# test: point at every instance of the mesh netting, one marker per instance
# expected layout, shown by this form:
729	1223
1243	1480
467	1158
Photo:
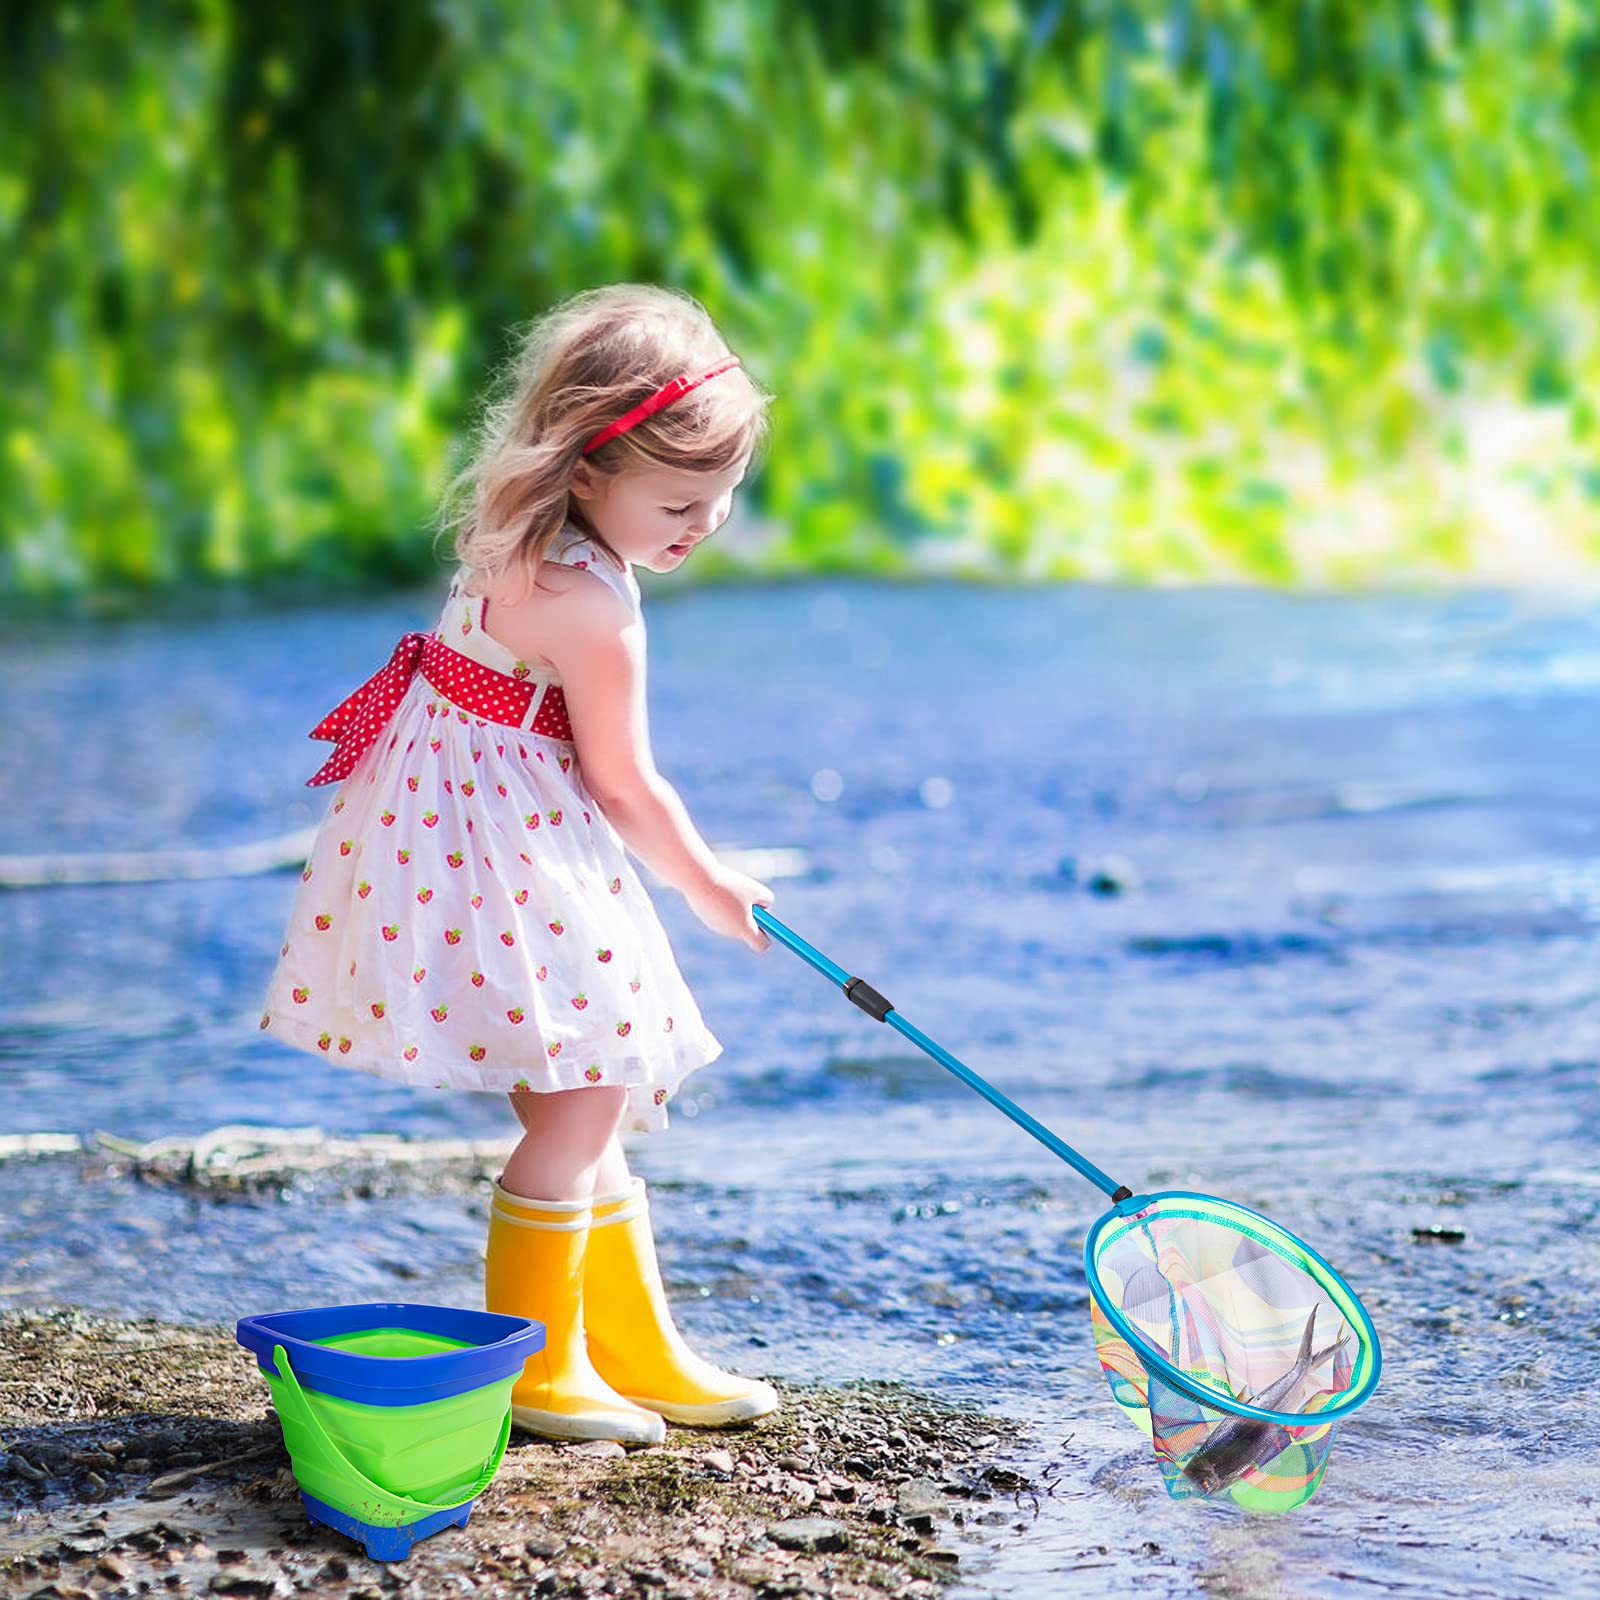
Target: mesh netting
1200	1307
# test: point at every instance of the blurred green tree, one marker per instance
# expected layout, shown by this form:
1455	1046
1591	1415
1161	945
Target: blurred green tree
1180	288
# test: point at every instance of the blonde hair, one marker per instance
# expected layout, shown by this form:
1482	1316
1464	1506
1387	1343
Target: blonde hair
576	368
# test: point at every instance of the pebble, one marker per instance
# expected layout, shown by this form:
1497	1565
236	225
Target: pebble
252	1585
920	1496
89	1543
156	1537
601	1449
808	1533
718	1461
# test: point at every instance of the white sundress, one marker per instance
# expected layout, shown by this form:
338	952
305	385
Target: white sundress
469	919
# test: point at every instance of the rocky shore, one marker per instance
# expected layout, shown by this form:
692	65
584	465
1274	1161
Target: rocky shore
143	1458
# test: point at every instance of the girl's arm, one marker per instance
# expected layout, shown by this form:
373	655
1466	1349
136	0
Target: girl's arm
597	646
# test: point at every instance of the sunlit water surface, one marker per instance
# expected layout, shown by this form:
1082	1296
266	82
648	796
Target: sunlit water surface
1352	981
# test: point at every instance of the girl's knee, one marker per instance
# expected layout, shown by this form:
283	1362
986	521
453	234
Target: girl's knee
595	1111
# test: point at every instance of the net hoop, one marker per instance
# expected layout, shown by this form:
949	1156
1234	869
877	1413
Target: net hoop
1276	1238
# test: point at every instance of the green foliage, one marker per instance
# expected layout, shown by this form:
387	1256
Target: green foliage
1054	287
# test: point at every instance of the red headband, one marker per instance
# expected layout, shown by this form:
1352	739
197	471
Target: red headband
664	396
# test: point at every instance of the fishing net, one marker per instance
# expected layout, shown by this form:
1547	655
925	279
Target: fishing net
1234	1346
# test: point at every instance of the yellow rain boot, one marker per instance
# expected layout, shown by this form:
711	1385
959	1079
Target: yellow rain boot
634	1343
535	1268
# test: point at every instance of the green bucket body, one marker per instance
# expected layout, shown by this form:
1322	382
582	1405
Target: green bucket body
432	1454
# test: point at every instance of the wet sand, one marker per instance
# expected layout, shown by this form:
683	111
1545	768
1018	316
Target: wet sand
141	1457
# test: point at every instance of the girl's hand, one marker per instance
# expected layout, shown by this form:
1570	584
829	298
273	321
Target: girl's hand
723	903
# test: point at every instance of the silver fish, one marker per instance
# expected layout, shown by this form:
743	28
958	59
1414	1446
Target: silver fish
1239	1443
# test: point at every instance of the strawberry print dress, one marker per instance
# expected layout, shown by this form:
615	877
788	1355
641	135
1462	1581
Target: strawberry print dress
468	917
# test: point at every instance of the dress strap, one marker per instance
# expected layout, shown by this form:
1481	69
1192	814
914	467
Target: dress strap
575	548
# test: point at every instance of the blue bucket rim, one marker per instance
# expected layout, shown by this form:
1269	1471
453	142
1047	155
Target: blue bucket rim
497	1346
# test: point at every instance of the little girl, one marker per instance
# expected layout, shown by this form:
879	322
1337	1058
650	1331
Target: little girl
468	917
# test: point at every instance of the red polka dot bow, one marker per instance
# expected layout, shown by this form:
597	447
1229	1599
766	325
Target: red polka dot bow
357	721
495	696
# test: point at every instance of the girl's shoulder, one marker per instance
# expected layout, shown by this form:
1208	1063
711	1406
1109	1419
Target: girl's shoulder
572	552
522	615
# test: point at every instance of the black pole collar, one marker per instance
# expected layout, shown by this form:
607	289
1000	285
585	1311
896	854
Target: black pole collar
861	993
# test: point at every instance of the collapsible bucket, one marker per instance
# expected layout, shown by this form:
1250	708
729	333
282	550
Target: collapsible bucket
395	1416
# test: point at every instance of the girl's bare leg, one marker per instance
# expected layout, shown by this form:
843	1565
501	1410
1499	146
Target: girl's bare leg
566	1135
611	1174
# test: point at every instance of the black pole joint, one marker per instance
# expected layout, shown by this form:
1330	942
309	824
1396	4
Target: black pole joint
1123	1193
861	993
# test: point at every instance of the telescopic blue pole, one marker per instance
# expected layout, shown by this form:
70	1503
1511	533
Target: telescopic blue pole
862	994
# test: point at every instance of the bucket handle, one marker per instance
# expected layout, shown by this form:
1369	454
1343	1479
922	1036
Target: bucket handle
307	1416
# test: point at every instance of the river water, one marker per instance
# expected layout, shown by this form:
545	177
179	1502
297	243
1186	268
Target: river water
1349	978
